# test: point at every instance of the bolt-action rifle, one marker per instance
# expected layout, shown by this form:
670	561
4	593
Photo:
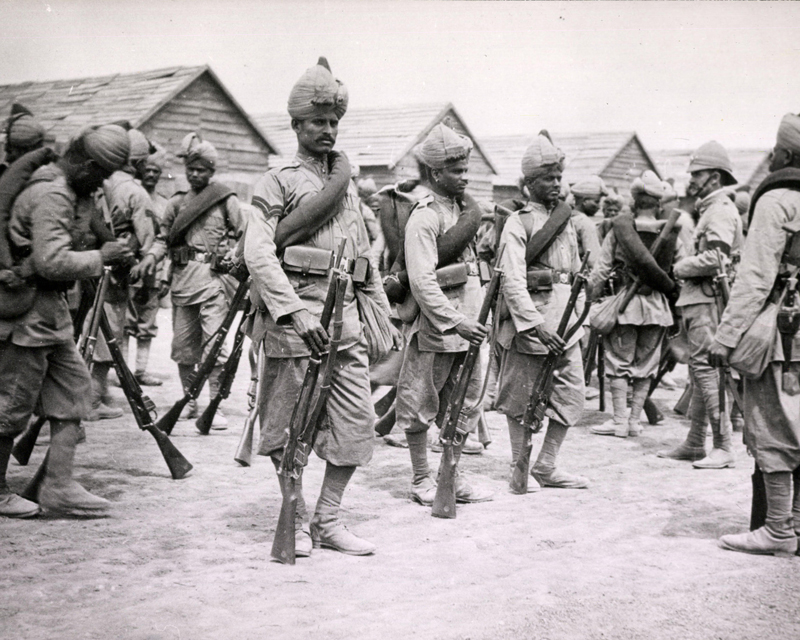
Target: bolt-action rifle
543	387
723	294
244	451
305	419
454	428
199	377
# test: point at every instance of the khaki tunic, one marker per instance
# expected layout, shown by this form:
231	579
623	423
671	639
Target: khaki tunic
587	234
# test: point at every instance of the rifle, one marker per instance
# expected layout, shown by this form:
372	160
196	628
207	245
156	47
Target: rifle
23	447
455	418
591	357
245	449
601	372
89	338
385	410
543	387
226	377
199	377
654	249
302	428
31	491
723	291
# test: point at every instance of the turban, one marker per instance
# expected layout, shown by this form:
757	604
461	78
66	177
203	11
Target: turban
650	184
317	92
669	192
789	133
592	187
366	187
108	145
22	129
140	146
195	149
443	146
742	202
541	153
158	157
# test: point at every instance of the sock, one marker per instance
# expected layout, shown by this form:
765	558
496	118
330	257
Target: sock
556	432
619	399
418	448
779	503
640	388
330	496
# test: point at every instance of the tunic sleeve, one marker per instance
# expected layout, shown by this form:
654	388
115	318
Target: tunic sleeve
515	283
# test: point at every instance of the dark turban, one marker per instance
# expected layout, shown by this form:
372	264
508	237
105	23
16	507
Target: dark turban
316	93
22	129
195	149
108	145
443	146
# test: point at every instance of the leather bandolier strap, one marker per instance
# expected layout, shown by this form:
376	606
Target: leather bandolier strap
540	241
213	194
652	270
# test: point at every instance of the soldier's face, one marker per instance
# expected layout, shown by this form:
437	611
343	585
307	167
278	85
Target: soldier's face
150	176
88	177
317	135
198	175
546	186
591	205
610	209
701	183
779	158
453	178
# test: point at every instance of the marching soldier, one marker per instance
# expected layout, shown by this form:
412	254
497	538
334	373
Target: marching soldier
772	427
529	332
440	335
198	224
39	363
289	306
718	228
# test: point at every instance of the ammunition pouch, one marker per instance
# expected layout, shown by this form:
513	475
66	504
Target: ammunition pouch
360	272
307	260
791	254
181	255
218	264
543	279
485	272
453	275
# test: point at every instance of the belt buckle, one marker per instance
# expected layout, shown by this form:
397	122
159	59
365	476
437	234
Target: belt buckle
563	278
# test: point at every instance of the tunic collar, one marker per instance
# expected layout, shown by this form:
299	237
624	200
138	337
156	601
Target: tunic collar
318	165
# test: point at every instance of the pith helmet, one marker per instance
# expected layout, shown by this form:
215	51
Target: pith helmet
711	156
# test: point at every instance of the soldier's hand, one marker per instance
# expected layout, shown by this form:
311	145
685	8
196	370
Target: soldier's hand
310	330
718	354
116	253
550	339
398	341
144	269
472	331
163	288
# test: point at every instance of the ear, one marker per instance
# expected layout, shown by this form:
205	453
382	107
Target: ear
296	125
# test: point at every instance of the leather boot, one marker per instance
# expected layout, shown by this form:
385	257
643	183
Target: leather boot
776	537
302	536
220	422
100	409
326	529
465	493
59	493
142	357
683	451
545	472
618	425
641	387
185	372
423	486
721	455
12	505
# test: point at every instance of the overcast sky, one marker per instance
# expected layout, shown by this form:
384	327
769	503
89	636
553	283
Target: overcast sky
677	73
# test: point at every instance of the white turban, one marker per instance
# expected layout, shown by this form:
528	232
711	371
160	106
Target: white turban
317	92
789	133
443	146
541	153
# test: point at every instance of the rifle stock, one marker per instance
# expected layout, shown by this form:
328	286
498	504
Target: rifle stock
245	449
542	390
168	420
454	430
23	447
31	491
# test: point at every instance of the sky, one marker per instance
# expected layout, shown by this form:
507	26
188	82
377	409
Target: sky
677	73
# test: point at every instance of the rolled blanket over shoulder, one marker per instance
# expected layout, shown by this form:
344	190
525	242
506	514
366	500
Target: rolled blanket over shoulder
651	270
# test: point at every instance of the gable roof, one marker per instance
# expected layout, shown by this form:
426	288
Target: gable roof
65	106
376	136
586	154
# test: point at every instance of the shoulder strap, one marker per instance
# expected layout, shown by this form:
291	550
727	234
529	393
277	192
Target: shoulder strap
213	194
546	236
788	178
647	267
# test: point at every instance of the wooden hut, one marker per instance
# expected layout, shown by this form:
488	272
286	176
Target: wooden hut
165	105
381	141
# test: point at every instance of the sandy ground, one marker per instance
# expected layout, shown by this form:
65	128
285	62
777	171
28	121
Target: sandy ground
635	556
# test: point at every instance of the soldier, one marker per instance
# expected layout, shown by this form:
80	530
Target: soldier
718	228
289	305
633	347
772	407
198	226
587	194
529	333
23	134
130	211
145	293
439	337
39	362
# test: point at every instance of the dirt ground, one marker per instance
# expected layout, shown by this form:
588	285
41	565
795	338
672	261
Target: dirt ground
635	556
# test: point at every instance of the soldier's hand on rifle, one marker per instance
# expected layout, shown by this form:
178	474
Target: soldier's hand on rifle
718	354
116	253
472	331
144	269
310	330
550	339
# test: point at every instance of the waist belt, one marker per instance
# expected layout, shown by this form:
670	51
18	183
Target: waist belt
543	279
62	286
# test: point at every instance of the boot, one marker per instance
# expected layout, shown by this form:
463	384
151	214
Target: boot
776	537
302	537
618	425
545	472
142	356
185	372
220	422
694	447
12	505
641	387
423	486
100	409
683	451
721	455
59	493
396	440
717	459
465	493
326	530
471	446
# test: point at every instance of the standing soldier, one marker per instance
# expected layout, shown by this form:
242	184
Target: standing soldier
23	134
587	194
197	226
289	306
39	363
439	337
535	311
130	211
145	294
719	228
772	407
